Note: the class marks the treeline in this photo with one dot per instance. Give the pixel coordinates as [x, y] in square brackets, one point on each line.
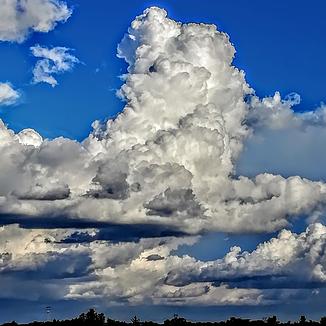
[92, 318]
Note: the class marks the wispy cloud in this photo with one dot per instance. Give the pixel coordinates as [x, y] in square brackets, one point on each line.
[52, 61]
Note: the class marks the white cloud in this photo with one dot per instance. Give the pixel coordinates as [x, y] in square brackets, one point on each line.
[283, 140]
[115, 272]
[53, 61]
[290, 259]
[19, 18]
[149, 271]
[8, 95]
[276, 113]
[140, 279]
[169, 158]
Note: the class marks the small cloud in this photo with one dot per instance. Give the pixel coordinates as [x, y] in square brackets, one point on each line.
[19, 18]
[53, 61]
[8, 95]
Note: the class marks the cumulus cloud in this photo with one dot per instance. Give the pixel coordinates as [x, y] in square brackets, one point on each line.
[137, 279]
[36, 250]
[53, 61]
[116, 272]
[169, 158]
[149, 271]
[168, 162]
[289, 260]
[276, 113]
[284, 140]
[156, 274]
[19, 18]
[30, 255]
[8, 95]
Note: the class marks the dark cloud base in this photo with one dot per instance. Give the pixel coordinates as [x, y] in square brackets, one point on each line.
[107, 231]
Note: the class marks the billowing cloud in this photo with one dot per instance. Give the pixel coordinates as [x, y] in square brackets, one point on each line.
[28, 255]
[149, 271]
[8, 95]
[52, 61]
[167, 164]
[118, 272]
[289, 260]
[284, 141]
[18, 18]
[169, 157]
[276, 113]
[138, 278]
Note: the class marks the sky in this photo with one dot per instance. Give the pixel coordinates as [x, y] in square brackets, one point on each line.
[162, 157]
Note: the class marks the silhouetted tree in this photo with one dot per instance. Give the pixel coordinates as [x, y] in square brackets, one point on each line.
[91, 315]
[272, 321]
[135, 321]
[92, 318]
[175, 321]
[302, 320]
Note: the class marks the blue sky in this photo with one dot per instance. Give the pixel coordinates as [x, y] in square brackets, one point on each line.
[281, 47]
[287, 34]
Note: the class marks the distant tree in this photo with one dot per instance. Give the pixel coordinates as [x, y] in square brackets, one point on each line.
[82, 317]
[90, 318]
[91, 315]
[135, 321]
[238, 321]
[175, 321]
[101, 318]
[272, 321]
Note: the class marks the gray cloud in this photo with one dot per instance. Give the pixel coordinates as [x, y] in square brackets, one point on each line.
[172, 202]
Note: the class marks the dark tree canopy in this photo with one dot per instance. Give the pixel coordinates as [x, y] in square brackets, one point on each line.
[93, 318]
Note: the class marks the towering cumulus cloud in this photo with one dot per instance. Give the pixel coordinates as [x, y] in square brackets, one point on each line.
[165, 165]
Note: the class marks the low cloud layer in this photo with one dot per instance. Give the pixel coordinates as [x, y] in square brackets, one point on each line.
[149, 271]
[117, 272]
[18, 18]
[168, 162]
[292, 260]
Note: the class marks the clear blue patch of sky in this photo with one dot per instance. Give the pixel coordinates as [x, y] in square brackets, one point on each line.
[215, 245]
